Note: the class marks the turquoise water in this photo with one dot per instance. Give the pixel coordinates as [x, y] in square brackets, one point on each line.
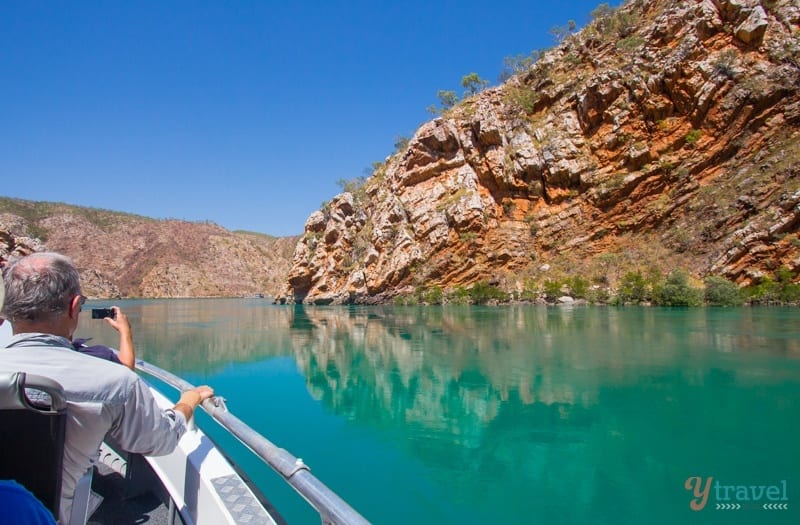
[528, 414]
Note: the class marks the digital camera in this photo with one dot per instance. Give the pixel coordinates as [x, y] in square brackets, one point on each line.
[102, 313]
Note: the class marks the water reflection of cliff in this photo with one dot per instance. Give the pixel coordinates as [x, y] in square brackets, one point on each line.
[445, 369]
[453, 367]
[603, 407]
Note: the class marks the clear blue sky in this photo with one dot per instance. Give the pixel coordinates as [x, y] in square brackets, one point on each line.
[243, 113]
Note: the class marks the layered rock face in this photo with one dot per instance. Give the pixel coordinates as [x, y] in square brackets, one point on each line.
[122, 255]
[664, 135]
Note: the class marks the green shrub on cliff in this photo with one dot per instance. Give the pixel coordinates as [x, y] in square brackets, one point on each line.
[578, 287]
[37, 232]
[676, 291]
[515, 65]
[764, 292]
[552, 288]
[458, 295]
[788, 292]
[432, 295]
[612, 22]
[721, 292]
[473, 84]
[693, 136]
[633, 288]
[483, 292]
[777, 290]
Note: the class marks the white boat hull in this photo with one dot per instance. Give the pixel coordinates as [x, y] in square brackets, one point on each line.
[206, 489]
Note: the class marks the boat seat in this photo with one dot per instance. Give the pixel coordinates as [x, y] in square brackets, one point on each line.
[33, 416]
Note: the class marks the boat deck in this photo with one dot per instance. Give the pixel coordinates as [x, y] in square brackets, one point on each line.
[124, 504]
[116, 509]
[134, 491]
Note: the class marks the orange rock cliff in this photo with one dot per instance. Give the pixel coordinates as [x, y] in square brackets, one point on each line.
[663, 135]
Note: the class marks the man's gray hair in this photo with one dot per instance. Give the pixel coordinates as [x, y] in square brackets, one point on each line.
[39, 286]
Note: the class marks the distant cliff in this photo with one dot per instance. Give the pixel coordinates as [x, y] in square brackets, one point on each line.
[123, 255]
[665, 134]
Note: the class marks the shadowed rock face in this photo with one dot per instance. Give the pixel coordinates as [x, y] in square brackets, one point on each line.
[662, 136]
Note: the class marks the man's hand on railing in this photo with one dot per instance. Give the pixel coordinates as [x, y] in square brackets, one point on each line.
[191, 398]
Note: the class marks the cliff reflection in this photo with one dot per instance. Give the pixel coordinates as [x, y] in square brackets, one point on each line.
[600, 397]
[443, 369]
[454, 368]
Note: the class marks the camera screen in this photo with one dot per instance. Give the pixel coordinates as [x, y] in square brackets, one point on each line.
[102, 313]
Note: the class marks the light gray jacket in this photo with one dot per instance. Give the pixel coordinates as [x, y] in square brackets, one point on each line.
[102, 398]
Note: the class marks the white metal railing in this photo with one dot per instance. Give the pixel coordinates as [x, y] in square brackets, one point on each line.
[332, 509]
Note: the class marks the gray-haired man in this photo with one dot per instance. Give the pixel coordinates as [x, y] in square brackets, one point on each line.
[43, 300]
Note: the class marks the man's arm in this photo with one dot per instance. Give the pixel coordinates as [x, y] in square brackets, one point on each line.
[190, 399]
[127, 354]
[142, 426]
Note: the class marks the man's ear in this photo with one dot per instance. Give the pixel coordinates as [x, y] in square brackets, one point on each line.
[75, 307]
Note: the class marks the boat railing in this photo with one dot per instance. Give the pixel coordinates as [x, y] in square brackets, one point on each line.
[333, 510]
